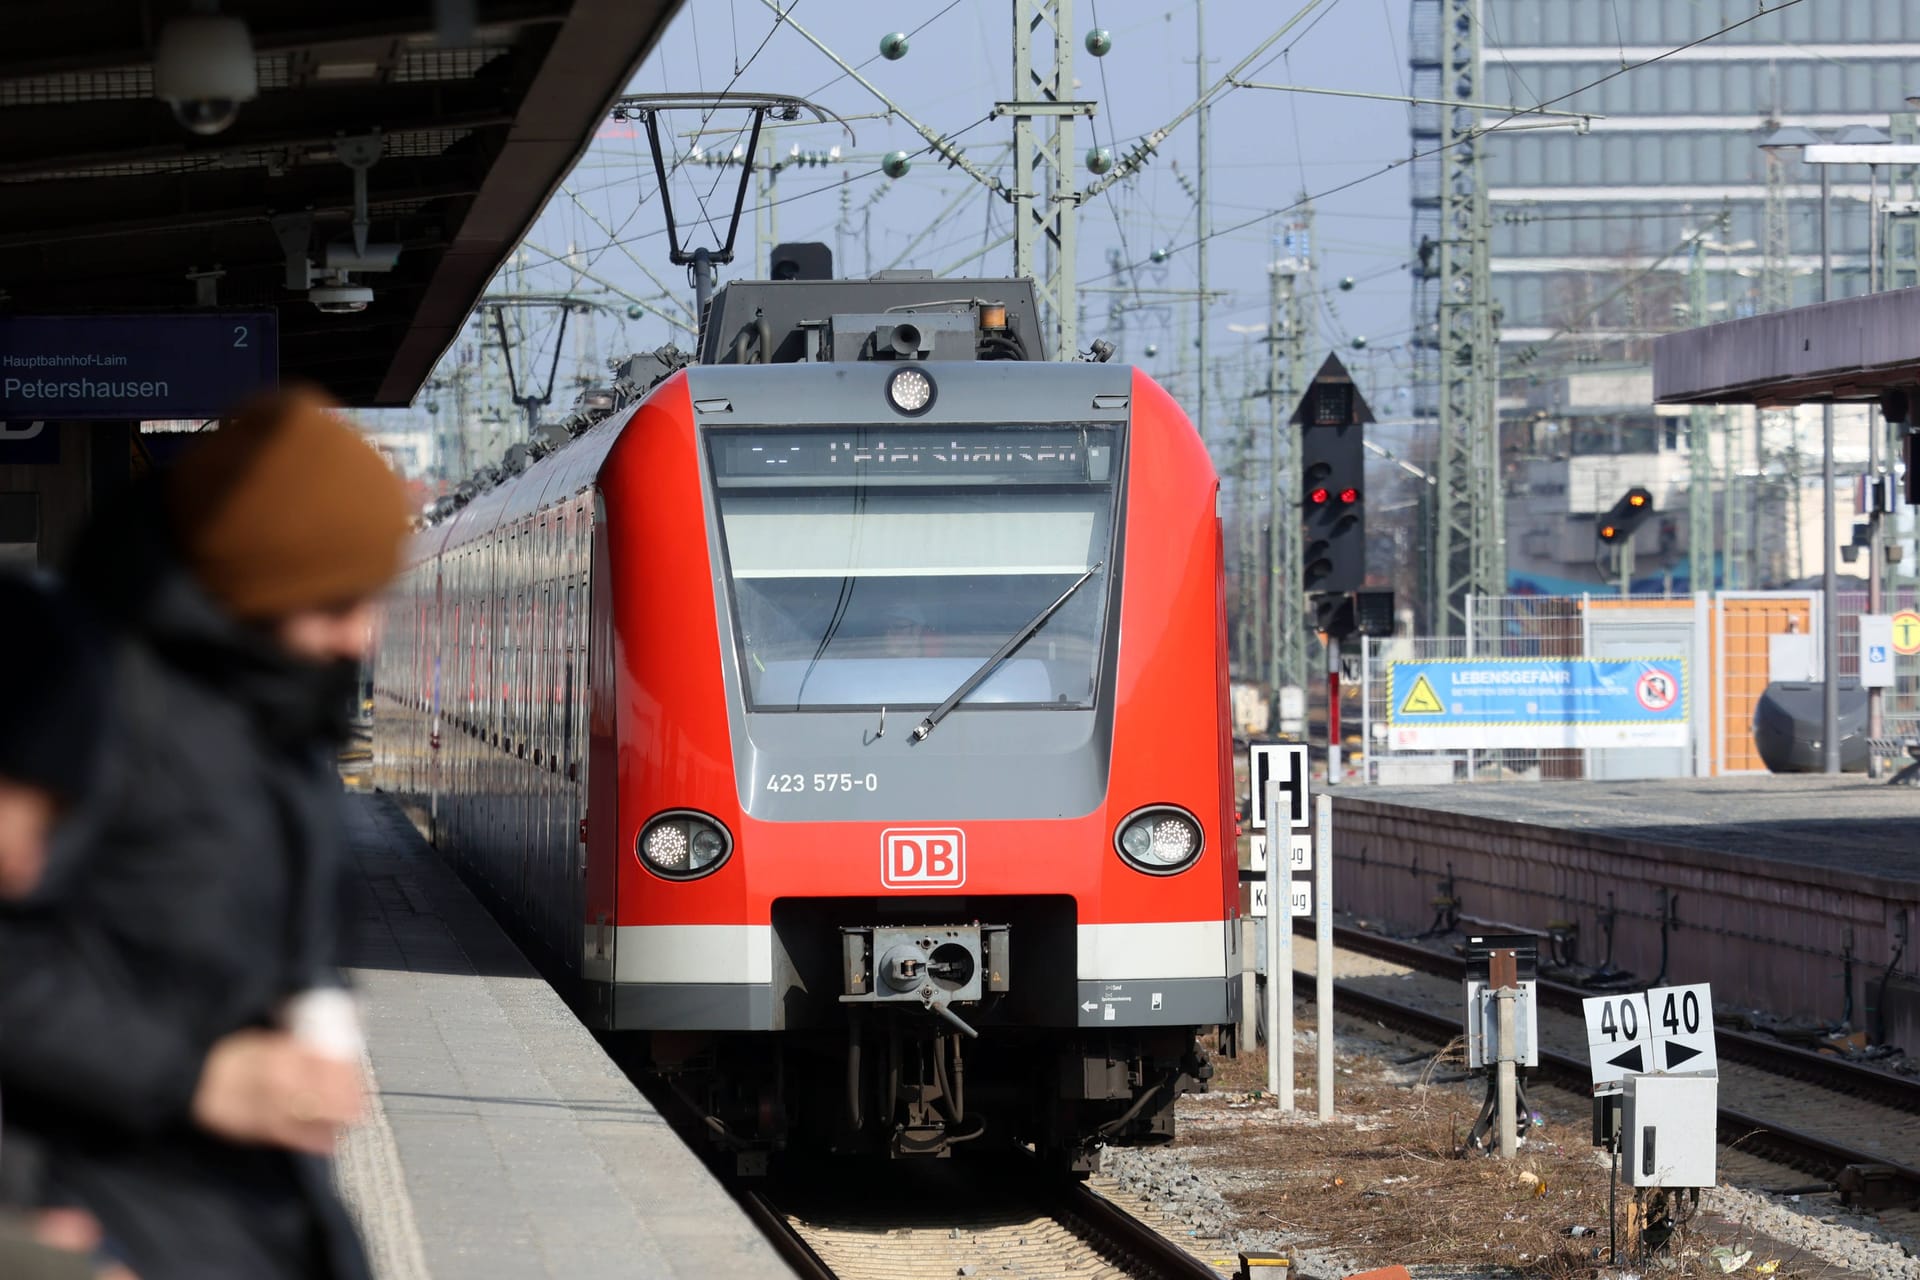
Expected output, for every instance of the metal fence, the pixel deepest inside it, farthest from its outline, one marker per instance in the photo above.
(1900, 706)
(1557, 627)
(1497, 627)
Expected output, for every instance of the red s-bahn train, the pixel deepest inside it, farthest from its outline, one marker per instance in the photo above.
(847, 717)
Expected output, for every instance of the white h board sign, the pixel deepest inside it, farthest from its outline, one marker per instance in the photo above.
(1665, 1029)
(1285, 763)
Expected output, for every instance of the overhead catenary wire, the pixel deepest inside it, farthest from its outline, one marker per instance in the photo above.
(1470, 136)
(845, 180)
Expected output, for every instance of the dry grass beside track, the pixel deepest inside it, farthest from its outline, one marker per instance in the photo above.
(1383, 1181)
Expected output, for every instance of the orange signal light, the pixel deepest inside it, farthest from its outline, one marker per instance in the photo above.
(1636, 499)
(1608, 532)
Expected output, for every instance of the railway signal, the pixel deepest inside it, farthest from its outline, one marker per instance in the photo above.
(1626, 515)
(1617, 527)
(1331, 417)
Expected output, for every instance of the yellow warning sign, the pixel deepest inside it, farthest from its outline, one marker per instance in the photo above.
(1421, 700)
(1906, 632)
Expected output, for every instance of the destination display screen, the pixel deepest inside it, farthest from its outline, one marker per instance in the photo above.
(978, 455)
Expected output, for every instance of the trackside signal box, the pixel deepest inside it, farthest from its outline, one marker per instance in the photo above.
(1668, 1130)
(1331, 418)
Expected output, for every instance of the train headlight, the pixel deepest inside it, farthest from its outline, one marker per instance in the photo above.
(1159, 840)
(910, 390)
(683, 845)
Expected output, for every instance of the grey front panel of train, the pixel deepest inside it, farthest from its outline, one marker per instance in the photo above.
(969, 768)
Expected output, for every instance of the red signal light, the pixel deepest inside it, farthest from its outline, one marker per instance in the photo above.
(1318, 497)
(1349, 496)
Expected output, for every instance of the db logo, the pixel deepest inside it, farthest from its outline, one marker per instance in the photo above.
(923, 858)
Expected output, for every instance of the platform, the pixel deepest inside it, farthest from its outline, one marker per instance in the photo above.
(1794, 895)
(1848, 823)
(505, 1142)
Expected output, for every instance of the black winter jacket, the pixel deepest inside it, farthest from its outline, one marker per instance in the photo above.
(203, 885)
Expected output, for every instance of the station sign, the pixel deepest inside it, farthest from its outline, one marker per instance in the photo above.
(196, 364)
(1662, 1030)
(1484, 703)
(35, 442)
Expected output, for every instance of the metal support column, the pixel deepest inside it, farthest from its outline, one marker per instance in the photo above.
(1043, 215)
(1469, 551)
(1289, 335)
(1700, 539)
(1203, 216)
(1829, 579)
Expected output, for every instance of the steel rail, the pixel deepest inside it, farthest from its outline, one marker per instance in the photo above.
(1838, 1074)
(780, 1233)
(1104, 1227)
(1748, 1133)
(1101, 1222)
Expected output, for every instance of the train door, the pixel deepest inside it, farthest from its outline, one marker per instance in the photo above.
(431, 738)
(566, 883)
(554, 602)
(523, 626)
(600, 852)
(571, 897)
(503, 676)
(526, 781)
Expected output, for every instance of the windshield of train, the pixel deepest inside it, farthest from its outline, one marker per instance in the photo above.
(880, 567)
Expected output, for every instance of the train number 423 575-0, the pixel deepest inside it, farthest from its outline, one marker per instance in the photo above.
(823, 782)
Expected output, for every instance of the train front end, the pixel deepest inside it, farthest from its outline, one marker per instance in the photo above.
(923, 781)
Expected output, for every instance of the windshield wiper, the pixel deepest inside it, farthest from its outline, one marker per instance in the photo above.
(1000, 655)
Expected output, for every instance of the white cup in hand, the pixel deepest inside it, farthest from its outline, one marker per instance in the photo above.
(327, 1021)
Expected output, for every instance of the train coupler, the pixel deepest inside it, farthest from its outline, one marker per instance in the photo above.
(934, 967)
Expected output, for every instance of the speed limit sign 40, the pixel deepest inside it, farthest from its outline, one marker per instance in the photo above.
(1665, 1029)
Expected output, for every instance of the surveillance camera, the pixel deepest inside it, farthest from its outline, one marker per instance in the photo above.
(203, 68)
(340, 299)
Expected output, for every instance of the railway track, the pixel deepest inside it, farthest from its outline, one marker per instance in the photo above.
(1822, 1156)
(985, 1217)
(999, 1216)
(1840, 1075)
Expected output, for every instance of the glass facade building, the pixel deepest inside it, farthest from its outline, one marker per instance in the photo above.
(1594, 233)
(1591, 232)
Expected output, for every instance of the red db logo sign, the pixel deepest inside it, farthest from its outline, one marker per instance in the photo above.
(923, 858)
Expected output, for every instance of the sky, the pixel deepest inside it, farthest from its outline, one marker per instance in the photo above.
(1266, 149)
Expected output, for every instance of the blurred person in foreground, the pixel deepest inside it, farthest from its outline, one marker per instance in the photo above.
(173, 1029)
(52, 677)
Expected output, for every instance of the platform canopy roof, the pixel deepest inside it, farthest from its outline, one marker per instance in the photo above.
(107, 203)
(1853, 349)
